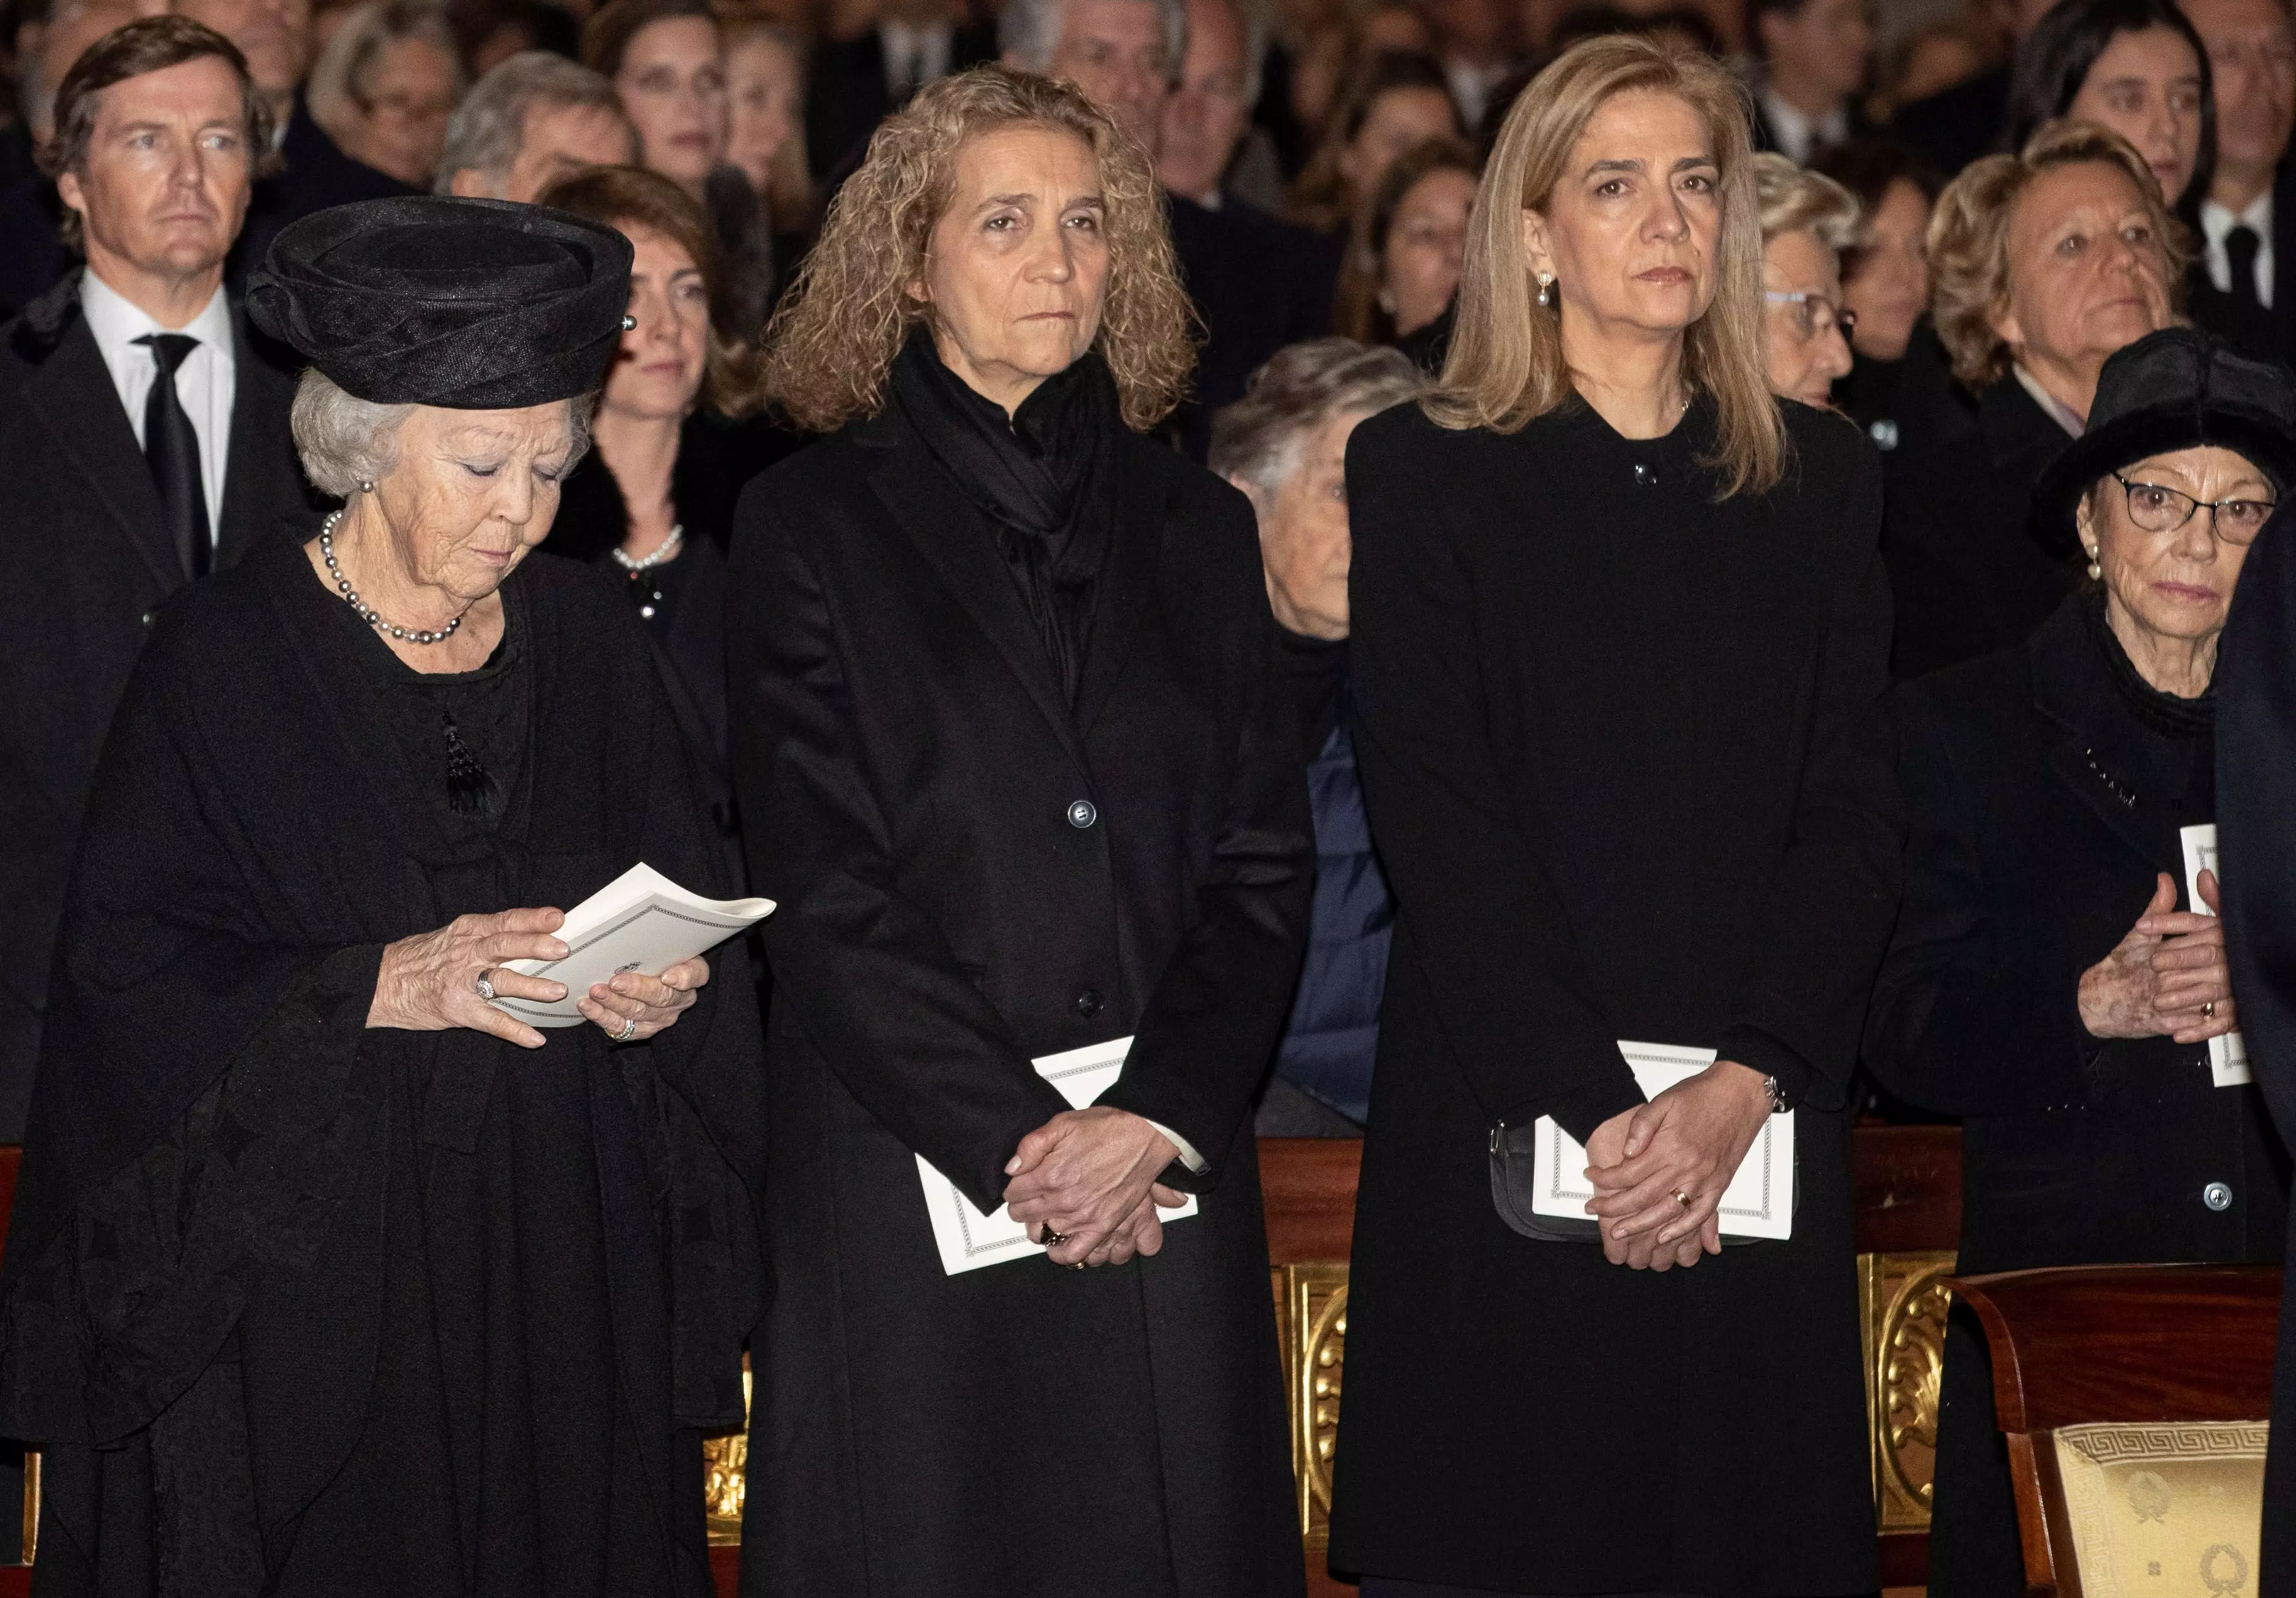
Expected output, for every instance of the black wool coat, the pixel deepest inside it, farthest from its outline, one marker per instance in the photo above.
(90, 566)
(912, 782)
(2256, 783)
(1628, 769)
(328, 1309)
(2042, 812)
(1969, 572)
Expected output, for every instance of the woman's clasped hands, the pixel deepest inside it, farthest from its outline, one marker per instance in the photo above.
(432, 982)
(1088, 1177)
(1659, 1169)
(2166, 979)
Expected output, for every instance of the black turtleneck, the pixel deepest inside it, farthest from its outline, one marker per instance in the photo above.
(1313, 669)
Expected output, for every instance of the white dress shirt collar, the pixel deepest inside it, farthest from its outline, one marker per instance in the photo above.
(916, 54)
(1800, 135)
(206, 384)
(2217, 223)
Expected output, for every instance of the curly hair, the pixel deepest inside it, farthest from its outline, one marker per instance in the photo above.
(830, 346)
(1969, 238)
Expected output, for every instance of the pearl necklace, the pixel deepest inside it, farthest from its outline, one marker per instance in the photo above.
(647, 562)
(351, 599)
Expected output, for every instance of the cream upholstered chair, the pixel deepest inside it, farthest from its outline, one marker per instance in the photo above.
(2133, 1399)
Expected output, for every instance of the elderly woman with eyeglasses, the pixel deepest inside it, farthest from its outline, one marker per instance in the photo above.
(2058, 975)
(1808, 220)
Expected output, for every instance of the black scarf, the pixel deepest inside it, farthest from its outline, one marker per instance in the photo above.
(1039, 477)
(2164, 713)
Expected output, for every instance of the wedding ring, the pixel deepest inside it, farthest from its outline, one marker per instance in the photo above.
(486, 985)
(2210, 1009)
(629, 1030)
(1682, 1198)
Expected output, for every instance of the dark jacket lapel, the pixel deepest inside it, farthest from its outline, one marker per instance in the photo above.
(2072, 689)
(262, 396)
(1127, 584)
(934, 514)
(73, 396)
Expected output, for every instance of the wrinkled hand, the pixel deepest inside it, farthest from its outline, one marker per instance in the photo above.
(2158, 981)
(1087, 1173)
(653, 1002)
(1689, 1139)
(429, 982)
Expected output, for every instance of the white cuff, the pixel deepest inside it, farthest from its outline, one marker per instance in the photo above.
(1188, 1156)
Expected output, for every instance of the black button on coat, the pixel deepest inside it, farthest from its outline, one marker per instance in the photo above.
(906, 760)
(1627, 768)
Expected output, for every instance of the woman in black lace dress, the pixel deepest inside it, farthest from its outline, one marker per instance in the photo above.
(2053, 981)
(327, 1276)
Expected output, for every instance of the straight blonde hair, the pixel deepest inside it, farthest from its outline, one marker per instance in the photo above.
(1506, 366)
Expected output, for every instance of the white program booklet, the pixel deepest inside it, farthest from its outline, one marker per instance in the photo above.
(2227, 1055)
(970, 1240)
(640, 921)
(1759, 1202)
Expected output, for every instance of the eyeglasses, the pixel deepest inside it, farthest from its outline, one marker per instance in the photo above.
(2156, 509)
(1814, 315)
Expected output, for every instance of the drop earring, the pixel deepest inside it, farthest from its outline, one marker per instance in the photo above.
(2096, 570)
(1546, 288)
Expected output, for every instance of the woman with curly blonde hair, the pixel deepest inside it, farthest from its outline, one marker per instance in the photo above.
(1008, 748)
(1618, 643)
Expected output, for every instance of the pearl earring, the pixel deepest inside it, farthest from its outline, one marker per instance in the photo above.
(367, 485)
(1546, 288)
(2096, 570)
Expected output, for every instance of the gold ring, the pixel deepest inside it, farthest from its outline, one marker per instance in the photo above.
(2210, 1009)
(1682, 1198)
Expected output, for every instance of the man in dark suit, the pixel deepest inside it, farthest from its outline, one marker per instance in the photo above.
(142, 444)
(1815, 56)
(1258, 283)
(2248, 222)
(857, 82)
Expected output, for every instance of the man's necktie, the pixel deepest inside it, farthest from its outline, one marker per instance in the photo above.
(173, 451)
(2241, 245)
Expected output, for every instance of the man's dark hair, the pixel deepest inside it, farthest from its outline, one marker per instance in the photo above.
(147, 44)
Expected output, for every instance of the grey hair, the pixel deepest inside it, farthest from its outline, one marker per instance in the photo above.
(489, 127)
(1257, 439)
(338, 81)
(1792, 198)
(1029, 31)
(347, 442)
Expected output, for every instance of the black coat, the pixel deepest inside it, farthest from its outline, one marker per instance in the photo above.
(908, 767)
(410, 1310)
(1628, 771)
(32, 256)
(90, 564)
(1260, 285)
(1969, 572)
(2256, 775)
(2042, 810)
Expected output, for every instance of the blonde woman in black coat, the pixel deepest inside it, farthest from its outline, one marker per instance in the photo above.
(1620, 635)
(1009, 742)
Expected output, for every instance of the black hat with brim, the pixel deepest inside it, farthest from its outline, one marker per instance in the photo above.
(2174, 389)
(469, 304)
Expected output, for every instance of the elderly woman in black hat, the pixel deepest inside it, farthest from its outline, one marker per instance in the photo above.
(2053, 981)
(326, 1276)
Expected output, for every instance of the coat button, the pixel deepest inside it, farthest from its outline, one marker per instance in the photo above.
(1083, 813)
(1089, 1003)
(1645, 476)
(2217, 1196)
(147, 618)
